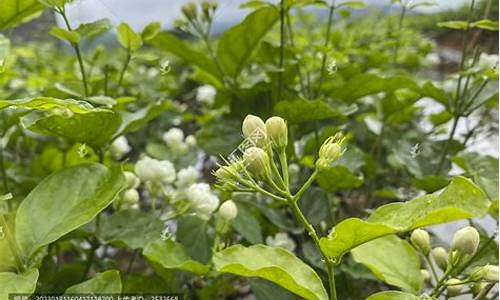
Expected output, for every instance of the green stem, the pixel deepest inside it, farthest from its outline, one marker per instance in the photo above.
(436, 291)
(284, 168)
(447, 145)
(312, 233)
(282, 48)
(327, 41)
(124, 68)
(484, 291)
(400, 29)
(433, 269)
(304, 187)
(297, 65)
(76, 47)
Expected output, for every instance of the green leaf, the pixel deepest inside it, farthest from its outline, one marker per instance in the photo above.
(94, 29)
(274, 264)
(221, 137)
(15, 12)
(461, 199)
(400, 268)
(76, 121)
(171, 255)
(237, 44)
(392, 295)
(265, 290)
(133, 121)
(486, 24)
(462, 25)
(483, 169)
(367, 84)
(338, 177)
(128, 38)
(150, 31)
(71, 37)
(17, 283)
(170, 43)
(193, 233)
(247, 223)
(299, 111)
(107, 282)
(4, 51)
(131, 228)
(64, 201)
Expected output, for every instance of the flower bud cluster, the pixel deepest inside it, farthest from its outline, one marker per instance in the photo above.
(330, 151)
(177, 144)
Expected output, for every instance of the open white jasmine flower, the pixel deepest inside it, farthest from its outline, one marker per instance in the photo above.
(173, 136)
(206, 94)
(187, 176)
(487, 61)
(203, 201)
(120, 147)
(431, 59)
(150, 169)
(281, 239)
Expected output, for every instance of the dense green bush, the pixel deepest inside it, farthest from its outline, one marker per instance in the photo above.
(290, 156)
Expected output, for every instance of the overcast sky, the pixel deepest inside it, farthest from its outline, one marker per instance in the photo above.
(138, 13)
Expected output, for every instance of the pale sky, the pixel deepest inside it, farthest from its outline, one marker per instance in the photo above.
(138, 13)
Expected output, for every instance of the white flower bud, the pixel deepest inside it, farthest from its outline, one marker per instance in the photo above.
(189, 10)
(187, 176)
(453, 288)
(256, 161)
(206, 94)
(466, 241)
(277, 131)
(330, 151)
(228, 210)
(130, 196)
(191, 141)
(119, 147)
(282, 240)
(425, 275)
(440, 257)
(490, 273)
(254, 129)
(132, 180)
(149, 169)
(421, 240)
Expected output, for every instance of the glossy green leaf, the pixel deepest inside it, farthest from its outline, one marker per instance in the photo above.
(106, 282)
(94, 29)
(171, 255)
(150, 31)
(71, 37)
(194, 234)
(14, 12)
(274, 264)
(486, 24)
(462, 25)
(170, 43)
(64, 201)
(127, 38)
(393, 295)
(299, 111)
(237, 44)
(461, 199)
(247, 222)
(400, 268)
(17, 283)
